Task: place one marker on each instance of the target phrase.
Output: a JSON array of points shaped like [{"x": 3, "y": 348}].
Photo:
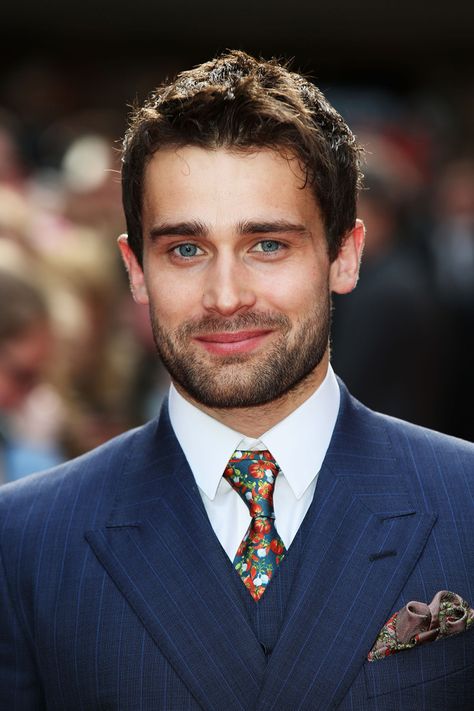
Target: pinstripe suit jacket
[{"x": 113, "y": 585}]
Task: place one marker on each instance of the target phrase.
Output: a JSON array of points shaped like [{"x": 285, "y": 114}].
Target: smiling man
[
  {"x": 247, "y": 548},
  {"x": 238, "y": 278}
]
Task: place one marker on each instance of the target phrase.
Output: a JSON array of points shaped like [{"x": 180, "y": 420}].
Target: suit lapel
[
  {"x": 363, "y": 536},
  {"x": 160, "y": 550}
]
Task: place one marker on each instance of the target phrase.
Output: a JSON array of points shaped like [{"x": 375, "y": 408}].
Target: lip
[{"x": 226, "y": 343}]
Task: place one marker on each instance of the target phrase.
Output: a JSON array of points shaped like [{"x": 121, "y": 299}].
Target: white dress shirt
[{"x": 298, "y": 443}]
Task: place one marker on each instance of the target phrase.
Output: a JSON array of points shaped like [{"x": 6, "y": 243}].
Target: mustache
[{"x": 240, "y": 322}]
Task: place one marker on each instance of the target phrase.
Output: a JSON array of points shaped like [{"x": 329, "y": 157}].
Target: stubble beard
[{"x": 247, "y": 379}]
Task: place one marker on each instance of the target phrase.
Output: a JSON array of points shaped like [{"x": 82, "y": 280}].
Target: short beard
[{"x": 244, "y": 380}]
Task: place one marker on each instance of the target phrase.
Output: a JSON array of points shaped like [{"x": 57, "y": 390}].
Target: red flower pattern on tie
[{"x": 252, "y": 474}]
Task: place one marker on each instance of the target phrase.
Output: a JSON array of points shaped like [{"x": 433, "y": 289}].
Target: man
[{"x": 132, "y": 578}]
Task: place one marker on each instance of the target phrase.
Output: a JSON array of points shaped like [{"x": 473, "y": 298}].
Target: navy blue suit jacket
[{"x": 114, "y": 588}]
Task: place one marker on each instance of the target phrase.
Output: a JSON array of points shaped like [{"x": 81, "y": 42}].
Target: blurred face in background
[{"x": 23, "y": 361}]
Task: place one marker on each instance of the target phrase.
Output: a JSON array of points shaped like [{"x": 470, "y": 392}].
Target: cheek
[
  {"x": 174, "y": 301},
  {"x": 296, "y": 295}
]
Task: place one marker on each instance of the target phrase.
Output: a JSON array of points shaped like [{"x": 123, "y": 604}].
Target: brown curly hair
[{"x": 239, "y": 102}]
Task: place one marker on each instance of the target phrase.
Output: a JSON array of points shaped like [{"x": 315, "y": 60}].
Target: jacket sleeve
[{"x": 20, "y": 686}]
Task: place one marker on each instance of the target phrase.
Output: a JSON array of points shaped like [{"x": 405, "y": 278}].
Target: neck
[{"x": 254, "y": 421}]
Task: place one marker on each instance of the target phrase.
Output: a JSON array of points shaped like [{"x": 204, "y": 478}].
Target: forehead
[{"x": 195, "y": 182}]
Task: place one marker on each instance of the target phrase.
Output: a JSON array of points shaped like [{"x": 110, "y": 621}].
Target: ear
[
  {"x": 344, "y": 270},
  {"x": 135, "y": 271}
]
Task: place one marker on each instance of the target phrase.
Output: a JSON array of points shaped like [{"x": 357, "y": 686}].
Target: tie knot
[{"x": 252, "y": 474}]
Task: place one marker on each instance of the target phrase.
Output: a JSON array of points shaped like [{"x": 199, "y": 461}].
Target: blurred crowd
[
  {"x": 404, "y": 340},
  {"x": 77, "y": 362}
]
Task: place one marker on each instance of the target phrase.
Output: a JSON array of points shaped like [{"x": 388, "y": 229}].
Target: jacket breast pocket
[{"x": 421, "y": 665}]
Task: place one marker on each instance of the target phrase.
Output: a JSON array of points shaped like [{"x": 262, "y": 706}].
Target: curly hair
[{"x": 238, "y": 102}]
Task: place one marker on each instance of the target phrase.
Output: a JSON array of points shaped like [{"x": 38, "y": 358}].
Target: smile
[{"x": 231, "y": 343}]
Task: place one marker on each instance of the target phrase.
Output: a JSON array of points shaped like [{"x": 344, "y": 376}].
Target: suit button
[{"x": 267, "y": 652}]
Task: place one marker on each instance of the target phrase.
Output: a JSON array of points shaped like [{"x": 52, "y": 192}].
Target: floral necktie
[{"x": 252, "y": 474}]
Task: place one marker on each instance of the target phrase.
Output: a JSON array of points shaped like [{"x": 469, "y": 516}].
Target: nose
[{"x": 229, "y": 287}]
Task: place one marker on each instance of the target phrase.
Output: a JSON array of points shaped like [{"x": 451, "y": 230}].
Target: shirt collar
[{"x": 298, "y": 443}]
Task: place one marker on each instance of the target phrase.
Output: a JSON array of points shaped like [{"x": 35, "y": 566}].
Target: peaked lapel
[
  {"x": 363, "y": 536},
  {"x": 159, "y": 548}
]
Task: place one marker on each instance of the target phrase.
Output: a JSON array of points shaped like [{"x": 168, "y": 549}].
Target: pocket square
[{"x": 417, "y": 623}]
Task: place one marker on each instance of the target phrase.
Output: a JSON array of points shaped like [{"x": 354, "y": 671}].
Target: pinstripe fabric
[{"x": 109, "y": 603}]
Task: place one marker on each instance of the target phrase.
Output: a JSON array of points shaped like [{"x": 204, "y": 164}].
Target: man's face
[{"x": 236, "y": 274}]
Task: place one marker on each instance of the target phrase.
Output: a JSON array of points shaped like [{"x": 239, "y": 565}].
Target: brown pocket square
[{"x": 417, "y": 623}]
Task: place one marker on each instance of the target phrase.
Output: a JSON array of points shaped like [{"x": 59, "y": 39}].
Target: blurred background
[{"x": 77, "y": 363}]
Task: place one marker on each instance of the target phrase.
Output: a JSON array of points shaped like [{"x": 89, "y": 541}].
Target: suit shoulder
[
  {"x": 87, "y": 472},
  {"x": 421, "y": 439},
  {"x": 437, "y": 469},
  {"x": 434, "y": 459},
  {"x": 413, "y": 446},
  {"x": 366, "y": 421}
]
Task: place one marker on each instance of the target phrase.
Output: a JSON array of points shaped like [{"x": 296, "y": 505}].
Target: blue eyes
[
  {"x": 268, "y": 245},
  {"x": 188, "y": 250}
]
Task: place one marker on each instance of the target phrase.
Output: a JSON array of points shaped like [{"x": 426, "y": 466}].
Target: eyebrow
[
  {"x": 179, "y": 229},
  {"x": 195, "y": 228},
  {"x": 270, "y": 227}
]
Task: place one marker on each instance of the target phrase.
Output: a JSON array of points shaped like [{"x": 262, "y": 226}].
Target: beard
[{"x": 246, "y": 379}]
